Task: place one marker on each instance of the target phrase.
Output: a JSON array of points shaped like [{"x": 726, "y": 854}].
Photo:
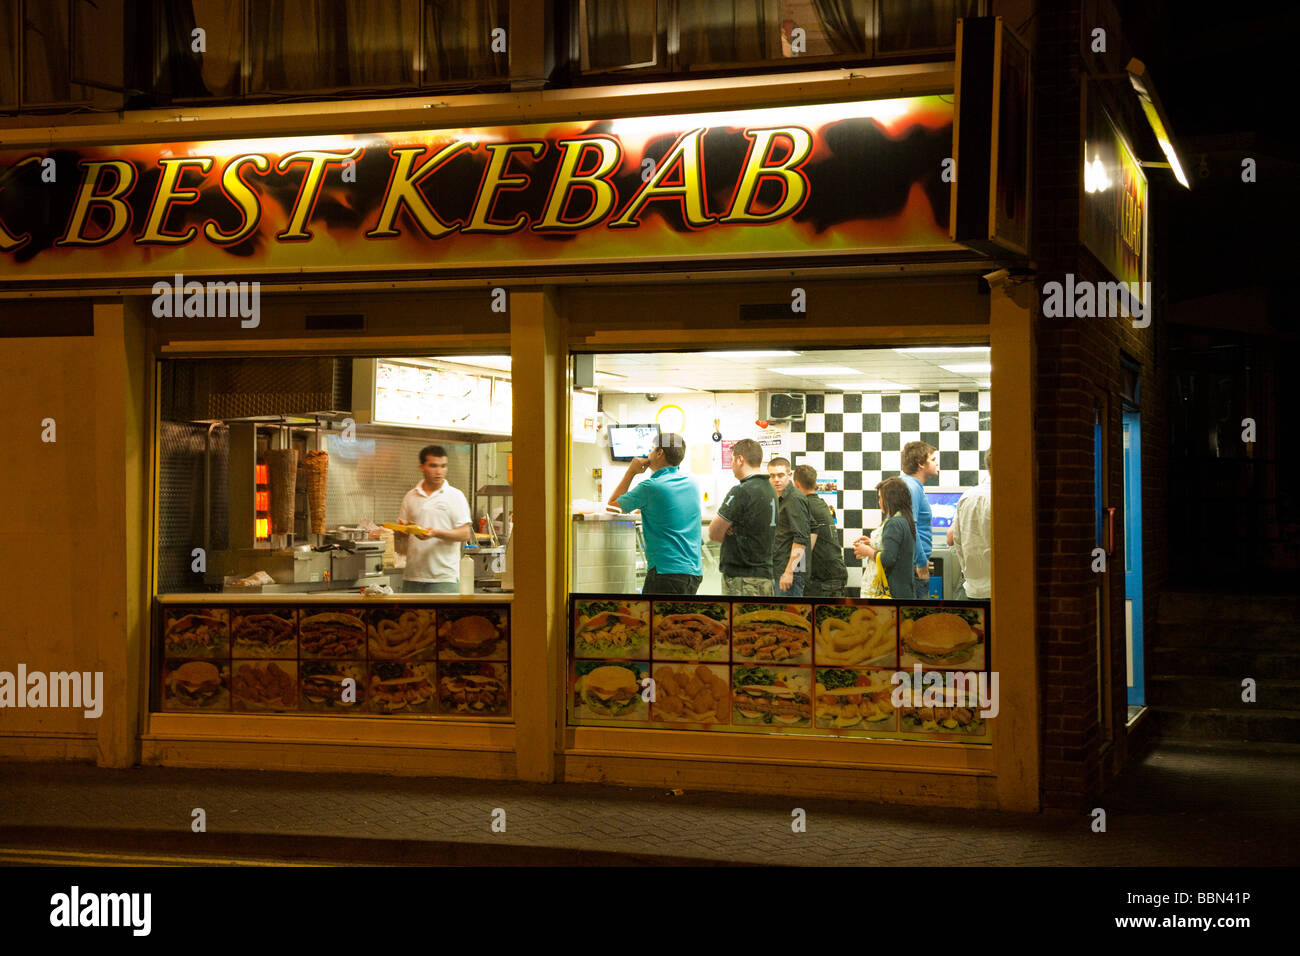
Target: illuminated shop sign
[
  {"x": 806, "y": 180},
  {"x": 1113, "y": 224}
]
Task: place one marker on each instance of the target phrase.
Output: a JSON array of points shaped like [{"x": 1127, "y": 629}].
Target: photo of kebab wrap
[
  {"x": 196, "y": 632},
  {"x": 860, "y": 699},
  {"x": 321, "y": 686},
  {"x": 772, "y": 697},
  {"x": 332, "y": 634},
  {"x": 272, "y": 633},
  {"x": 772, "y": 633},
  {"x": 196, "y": 685},
  {"x": 400, "y": 687},
  {"x": 473, "y": 688},
  {"x": 316, "y": 466},
  {"x": 690, "y": 631},
  {"x": 611, "y": 629}
]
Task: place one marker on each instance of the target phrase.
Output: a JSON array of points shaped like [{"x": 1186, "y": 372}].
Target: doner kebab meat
[
  {"x": 317, "y": 466},
  {"x": 282, "y": 469}
]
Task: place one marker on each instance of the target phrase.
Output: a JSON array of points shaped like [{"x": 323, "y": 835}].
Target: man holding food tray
[
  {"x": 746, "y": 525},
  {"x": 441, "y": 511},
  {"x": 669, "y": 502}
]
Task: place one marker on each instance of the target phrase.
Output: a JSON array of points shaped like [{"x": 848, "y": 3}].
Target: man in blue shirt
[
  {"x": 669, "y": 502},
  {"x": 921, "y": 462}
]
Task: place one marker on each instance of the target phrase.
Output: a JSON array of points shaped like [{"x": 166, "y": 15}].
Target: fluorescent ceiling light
[
  {"x": 816, "y": 371},
  {"x": 1155, "y": 114},
  {"x": 753, "y": 354},
  {"x": 950, "y": 351},
  {"x": 984, "y": 384},
  {"x": 971, "y": 368},
  {"x": 866, "y": 386}
]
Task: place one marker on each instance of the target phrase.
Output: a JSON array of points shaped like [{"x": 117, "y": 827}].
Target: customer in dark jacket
[{"x": 898, "y": 539}]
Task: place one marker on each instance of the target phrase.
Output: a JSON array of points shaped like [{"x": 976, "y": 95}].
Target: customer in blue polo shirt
[{"x": 669, "y": 502}]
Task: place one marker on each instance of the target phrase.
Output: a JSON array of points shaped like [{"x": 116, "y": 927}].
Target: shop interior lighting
[
  {"x": 971, "y": 368},
  {"x": 1145, "y": 88},
  {"x": 816, "y": 371},
  {"x": 931, "y": 350},
  {"x": 869, "y": 386},
  {"x": 753, "y": 354},
  {"x": 500, "y": 363}
]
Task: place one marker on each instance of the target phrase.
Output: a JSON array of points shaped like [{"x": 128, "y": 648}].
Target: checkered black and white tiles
[{"x": 856, "y": 439}]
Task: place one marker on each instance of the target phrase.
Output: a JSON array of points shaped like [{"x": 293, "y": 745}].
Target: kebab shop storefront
[{"x": 292, "y": 320}]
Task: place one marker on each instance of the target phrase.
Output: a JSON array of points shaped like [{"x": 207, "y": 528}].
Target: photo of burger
[
  {"x": 400, "y": 687},
  {"x": 604, "y": 629},
  {"x": 774, "y": 633},
  {"x": 264, "y": 685},
  {"x": 690, "y": 631},
  {"x": 474, "y": 633},
  {"x": 270, "y": 633},
  {"x": 771, "y": 697},
  {"x": 942, "y": 638},
  {"x": 855, "y": 699},
  {"x": 323, "y": 686},
  {"x": 332, "y": 634},
  {"x": 466, "y": 687},
  {"x": 196, "y": 685},
  {"x": 604, "y": 691},
  {"x": 196, "y": 632}
]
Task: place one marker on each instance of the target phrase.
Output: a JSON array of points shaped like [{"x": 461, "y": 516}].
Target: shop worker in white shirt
[
  {"x": 433, "y": 559},
  {"x": 971, "y": 535}
]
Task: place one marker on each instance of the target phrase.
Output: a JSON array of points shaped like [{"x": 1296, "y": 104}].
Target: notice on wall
[{"x": 773, "y": 444}]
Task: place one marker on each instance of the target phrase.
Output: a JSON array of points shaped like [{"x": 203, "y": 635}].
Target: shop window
[
  {"x": 53, "y": 53},
  {"x": 672, "y": 35}
]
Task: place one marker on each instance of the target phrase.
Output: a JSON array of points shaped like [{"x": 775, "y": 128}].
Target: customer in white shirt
[
  {"x": 433, "y": 559},
  {"x": 972, "y": 537}
]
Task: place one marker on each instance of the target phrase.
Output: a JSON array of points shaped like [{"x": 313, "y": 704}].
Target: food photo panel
[
  {"x": 771, "y": 633},
  {"x": 611, "y": 629},
  {"x": 264, "y": 685},
  {"x": 855, "y": 699},
  {"x": 771, "y": 698},
  {"x": 332, "y": 687},
  {"x": 474, "y": 688},
  {"x": 332, "y": 634},
  {"x": 196, "y": 632},
  {"x": 856, "y": 635},
  {"x": 942, "y": 638},
  {"x": 609, "y": 691},
  {"x": 401, "y": 687},
  {"x": 691, "y": 694},
  {"x": 397, "y": 633},
  {"x": 473, "y": 633},
  {"x": 264, "y": 632},
  {"x": 193, "y": 686},
  {"x": 690, "y": 631}
]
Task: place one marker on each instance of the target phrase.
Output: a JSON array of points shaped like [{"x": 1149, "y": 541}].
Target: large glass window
[{"x": 59, "y": 53}]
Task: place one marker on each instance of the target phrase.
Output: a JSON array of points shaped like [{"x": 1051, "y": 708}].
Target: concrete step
[
  {"x": 1228, "y": 662},
  {"x": 1191, "y": 607},
  {"x": 1223, "y": 692},
  {"x": 1259, "y": 636},
  {"x": 1195, "y": 724}
]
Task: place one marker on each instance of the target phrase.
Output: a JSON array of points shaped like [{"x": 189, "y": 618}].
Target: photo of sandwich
[
  {"x": 855, "y": 699},
  {"x": 398, "y": 687},
  {"x": 323, "y": 686},
  {"x": 269, "y": 633},
  {"x": 398, "y": 634},
  {"x": 474, "y": 633},
  {"x": 685, "y": 693},
  {"x": 196, "y": 685},
  {"x": 856, "y": 635},
  {"x": 942, "y": 720},
  {"x": 609, "y": 691},
  {"x": 773, "y": 633},
  {"x": 196, "y": 632},
  {"x": 771, "y": 696},
  {"x": 467, "y": 687},
  {"x": 942, "y": 638},
  {"x": 264, "y": 685},
  {"x": 605, "y": 629},
  {"x": 332, "y": 634},
  {"x": 690, "y": 631}
]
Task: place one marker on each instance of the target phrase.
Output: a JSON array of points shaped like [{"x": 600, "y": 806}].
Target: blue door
[{"x": 1133, "y": 558}]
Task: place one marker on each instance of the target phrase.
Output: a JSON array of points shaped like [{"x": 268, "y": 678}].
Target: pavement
[{"x": 1179, "y": 806}]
